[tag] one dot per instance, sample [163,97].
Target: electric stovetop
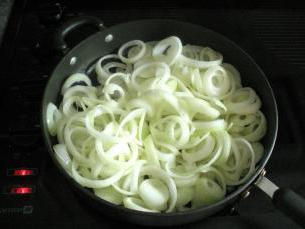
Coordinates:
[34,194]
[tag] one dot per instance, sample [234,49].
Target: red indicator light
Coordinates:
[21,190]
[23,172]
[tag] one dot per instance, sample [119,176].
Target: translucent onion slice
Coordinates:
[216,82]
[135,57]
[109,194]
[243,169]
[102,73]
[194,62]
[243,101]
[258,130]
[258,149]
[218,124]
[200,106]
[154,193]
[136,204]
[201,151]
[158,173]
[186,182]
[151,152]
[98,183]
[207,192]
[168,128]
[75,79]
[185,195]
[148,75]
[252,127]
[63,156]
[167,50]
[53,115]
[231,70]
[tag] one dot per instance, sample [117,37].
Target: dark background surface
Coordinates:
[272,32]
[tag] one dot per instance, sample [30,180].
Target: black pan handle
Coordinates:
[284,199]
[60,43]
[291,204]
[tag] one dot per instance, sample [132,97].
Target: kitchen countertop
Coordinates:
[5,10]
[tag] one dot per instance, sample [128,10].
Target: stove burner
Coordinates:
[28,61]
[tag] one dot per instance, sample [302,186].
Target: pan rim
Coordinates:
[231,196]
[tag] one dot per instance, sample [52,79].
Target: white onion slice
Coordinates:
[137,56]
[168,128]
[102,73]
[52,117]
[154,194]
[136,204]
[168,50]
[73,79]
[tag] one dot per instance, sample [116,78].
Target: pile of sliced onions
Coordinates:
[169,128]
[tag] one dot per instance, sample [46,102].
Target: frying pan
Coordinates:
[82,58]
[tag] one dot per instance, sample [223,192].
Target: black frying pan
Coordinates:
[82,58]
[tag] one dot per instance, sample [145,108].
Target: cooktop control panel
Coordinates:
[34,193]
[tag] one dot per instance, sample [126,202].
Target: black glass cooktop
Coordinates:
[34,194]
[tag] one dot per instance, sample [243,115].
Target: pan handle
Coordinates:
[284,199]
[61,33]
